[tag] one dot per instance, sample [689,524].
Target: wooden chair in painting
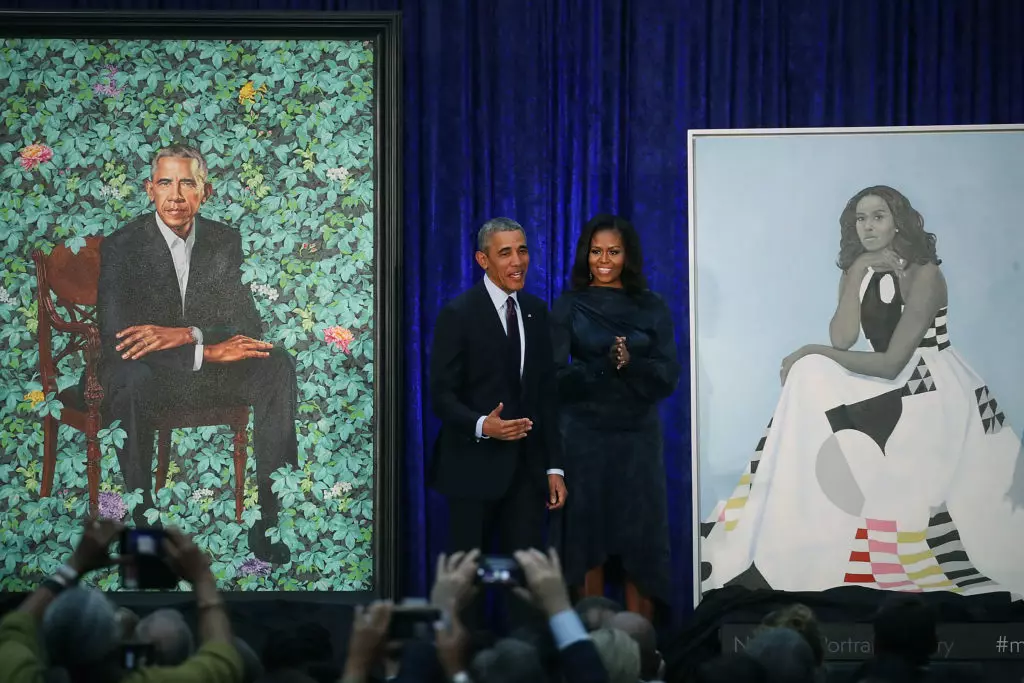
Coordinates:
[67,285]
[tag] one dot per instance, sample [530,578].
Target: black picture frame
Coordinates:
[384,29]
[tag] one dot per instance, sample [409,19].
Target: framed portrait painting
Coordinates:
[856,382]
[200,305]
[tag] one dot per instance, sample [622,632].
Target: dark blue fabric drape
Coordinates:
[552,110]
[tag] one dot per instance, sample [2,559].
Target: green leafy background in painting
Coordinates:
[287,129]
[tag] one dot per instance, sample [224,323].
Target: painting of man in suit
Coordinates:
[180,331]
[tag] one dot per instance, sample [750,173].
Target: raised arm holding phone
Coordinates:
[23,659]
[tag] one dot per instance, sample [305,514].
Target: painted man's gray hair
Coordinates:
[199,168]
[171,637]
[79,628]
[500,224]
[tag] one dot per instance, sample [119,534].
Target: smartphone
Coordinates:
[499,570]
[147,568]
[412,621]
[136,656]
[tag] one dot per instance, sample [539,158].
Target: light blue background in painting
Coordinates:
[766,237]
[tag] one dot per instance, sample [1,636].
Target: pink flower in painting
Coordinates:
[339,337]
[108,88]
[33,155]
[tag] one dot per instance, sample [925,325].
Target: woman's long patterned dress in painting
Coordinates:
[909,484]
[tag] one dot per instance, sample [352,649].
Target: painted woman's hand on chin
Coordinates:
[886,260]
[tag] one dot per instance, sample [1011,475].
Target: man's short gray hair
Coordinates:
[500,224]
[171,637]
[619,653]
[79,628]
[509,661]
[199,167]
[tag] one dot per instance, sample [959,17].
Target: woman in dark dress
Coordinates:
[615,355]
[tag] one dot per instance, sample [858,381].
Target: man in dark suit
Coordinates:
[178,328]
[491,383]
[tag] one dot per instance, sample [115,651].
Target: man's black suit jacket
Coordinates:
[467,380]
[138,286]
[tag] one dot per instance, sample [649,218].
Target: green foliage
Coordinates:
[287,130]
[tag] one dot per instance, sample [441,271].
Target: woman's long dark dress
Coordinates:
[611,433]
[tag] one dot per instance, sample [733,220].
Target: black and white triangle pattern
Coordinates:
[991,417]
[920,382]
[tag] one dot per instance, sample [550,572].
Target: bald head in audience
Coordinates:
[170,636]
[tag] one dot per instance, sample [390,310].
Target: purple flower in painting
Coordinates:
[111,506]
[254,567]
[107,89]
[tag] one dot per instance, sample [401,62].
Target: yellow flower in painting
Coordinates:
[249,92]
[35,397]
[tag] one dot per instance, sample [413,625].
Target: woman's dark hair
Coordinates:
[801,619]
[905,626]
[633,280]
[911,242]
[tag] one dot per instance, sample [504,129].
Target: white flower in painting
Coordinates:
[266,291]
[201,494]
[338,490]
[114,191]
[6,298]
[339,174]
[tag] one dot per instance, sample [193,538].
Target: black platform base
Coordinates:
[983,636]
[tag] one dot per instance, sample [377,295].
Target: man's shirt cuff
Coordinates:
[480,428]
[567,629]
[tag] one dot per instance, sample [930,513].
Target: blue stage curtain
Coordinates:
[552,110]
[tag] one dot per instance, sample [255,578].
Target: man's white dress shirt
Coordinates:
[181,254]
[500,300]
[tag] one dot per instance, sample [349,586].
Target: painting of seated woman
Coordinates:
[892,468]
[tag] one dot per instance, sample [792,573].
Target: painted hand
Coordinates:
[237,348]
[140,340]
[791,359]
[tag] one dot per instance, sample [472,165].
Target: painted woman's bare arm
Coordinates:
[926,298]
[844,329]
